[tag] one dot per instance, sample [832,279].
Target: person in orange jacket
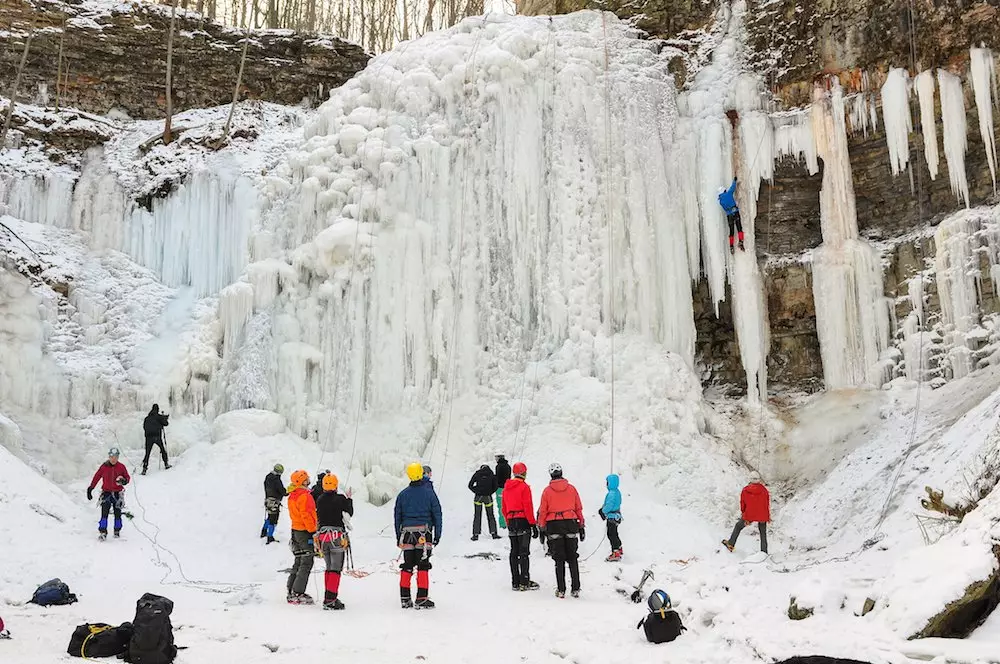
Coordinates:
[302,510]
[519,512]
[560,515]
[755,507]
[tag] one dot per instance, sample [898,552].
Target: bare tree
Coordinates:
[62,38]
[236,89]
[12,95]
[167,136]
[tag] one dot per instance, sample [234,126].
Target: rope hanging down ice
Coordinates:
[608,197]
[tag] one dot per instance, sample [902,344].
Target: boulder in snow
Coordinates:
[252,421]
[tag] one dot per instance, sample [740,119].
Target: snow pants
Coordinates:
[503,522]
[111,500]
[416,544]
[520,548]
[272,510]
[150,442]
[302,565]
[613,538]
[481,503]
[735,226]
[741,524]
[564,544]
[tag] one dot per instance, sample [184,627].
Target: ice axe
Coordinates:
[636,596]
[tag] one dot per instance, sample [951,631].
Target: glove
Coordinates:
[121,481]
[90,493]
[600,513]
[541,538]
[583,534]
[534,532]
[437,540]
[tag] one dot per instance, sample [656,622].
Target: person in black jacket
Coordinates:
[331,538]
[502,475]
[317,489]
[274,492]
[152,427]
[661,624]
[483,485]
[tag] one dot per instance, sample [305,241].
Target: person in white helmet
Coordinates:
[560,516]
[113,476]
[727,199]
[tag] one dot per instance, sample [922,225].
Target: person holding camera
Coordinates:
[152,426]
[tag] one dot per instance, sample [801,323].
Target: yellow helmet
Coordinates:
[415,471]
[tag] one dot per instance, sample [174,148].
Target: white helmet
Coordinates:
[500,454]
[555,470]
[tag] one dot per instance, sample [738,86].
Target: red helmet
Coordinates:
[520,470]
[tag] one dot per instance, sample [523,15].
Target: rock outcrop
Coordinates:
[114,57]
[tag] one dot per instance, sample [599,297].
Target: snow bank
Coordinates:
[254,422]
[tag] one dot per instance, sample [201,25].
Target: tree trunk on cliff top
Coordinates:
[167,137]
[12,95]
[236,90]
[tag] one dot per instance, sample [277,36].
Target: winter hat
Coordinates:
[520,470]
[415,471]
[659,602]
[330,482]
[555,471]
[278,468]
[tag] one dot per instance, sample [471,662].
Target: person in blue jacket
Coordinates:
[727,199]
[611,512]
[417,519]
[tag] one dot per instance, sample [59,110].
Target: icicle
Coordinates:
[924,84]
[955,141]
[896,118]
[793,137]
[983,73]
[235,309]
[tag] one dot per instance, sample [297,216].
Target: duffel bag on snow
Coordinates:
[51,593]
[152,639]
[99,640]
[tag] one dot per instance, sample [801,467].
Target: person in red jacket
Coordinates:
[755,507]
[113,476]
[560,515]
[518,510]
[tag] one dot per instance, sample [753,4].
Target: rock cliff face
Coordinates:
[114,57]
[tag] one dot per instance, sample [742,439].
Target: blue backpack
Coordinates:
[53,592]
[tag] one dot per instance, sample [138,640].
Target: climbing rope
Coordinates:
[608,196]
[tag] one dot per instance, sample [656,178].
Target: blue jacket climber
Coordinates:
[418,505]
[612,508]
[727,199]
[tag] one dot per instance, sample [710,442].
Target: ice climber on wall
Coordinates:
[417,518]
[755,507]
[152,427]
[113,476]
[727,199]
[274,493]
[560,515]
[302,511]
[611,512]
[518,508]
[331,539]
[483,485]
[503,474]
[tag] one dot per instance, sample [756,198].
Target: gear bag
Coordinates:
[51,593]
[99,640]
[152,639]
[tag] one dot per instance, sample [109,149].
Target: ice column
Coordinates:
[983,72]
[928,125]
[852,316]
[955,141]
[896,118]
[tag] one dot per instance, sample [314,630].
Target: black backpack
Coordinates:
[52,592]
[99,640]
[152,639]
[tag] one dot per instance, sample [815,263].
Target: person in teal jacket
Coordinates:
[611,512]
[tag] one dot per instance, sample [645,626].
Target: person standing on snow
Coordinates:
[152,427]
[274,493]
[611,512]
[417,518]
[331,539]
[727,199]
[755,507]
[302,511]
[560,515]
[113,476]
[518,508]
[502,475]
[317,489]
[661,624]
[483,485]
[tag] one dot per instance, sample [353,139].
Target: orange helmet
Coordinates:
[300,478]
[330,482]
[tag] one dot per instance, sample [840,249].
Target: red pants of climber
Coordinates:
[415,558]
[735,226]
